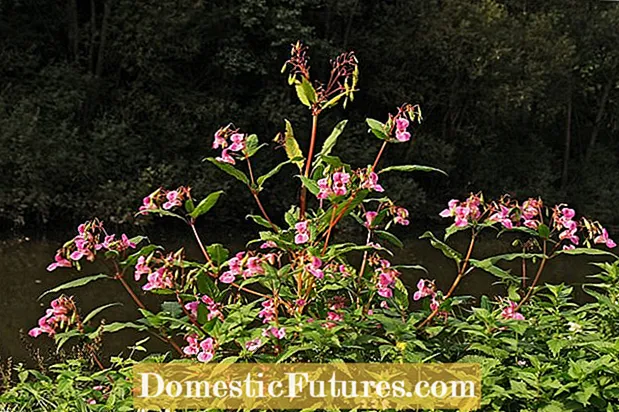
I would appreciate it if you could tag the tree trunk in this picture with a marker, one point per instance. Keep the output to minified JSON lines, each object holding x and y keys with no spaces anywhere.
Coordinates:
{"x":102,"y":43}
{"x":598,"y":118}
{"x":73,"y":28}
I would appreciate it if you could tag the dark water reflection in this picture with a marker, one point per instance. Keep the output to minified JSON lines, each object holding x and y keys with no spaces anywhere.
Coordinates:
{"x":24,"y":279}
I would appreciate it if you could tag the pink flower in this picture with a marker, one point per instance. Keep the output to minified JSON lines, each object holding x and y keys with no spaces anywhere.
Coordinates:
{"x":569,"y":247}
{"x":268,"y":244}
{"x":214,"y":308}
{"x":253,"y":345}
{"x":192,"y":348}
{"x":207,"y":350}
{"x":509,"y":312}
{"x":141,"y":268}
{"x":335,"y":317}
{"x":568,"y":213}
{"x":314,"y":268}
{"x":227,"y":277}
{"x":422,"y":290}
{"x":274,"y":332}
{"x":60,"y":262}
{"x":254,"y":267}
{"x":267,"y":313}
{"x":402,"y":136}
{"x":302,"y":235}
{"x":369,"y":218}
{"x":148,"y":203}
{"x":370,"y":182}
{"x":125,"y":242}
{"x":340,"y":179}
{"x":173,"y":200}
{"x":225,"y":157}
{"x":238,"y":142}
{"x":401,"y":216}
{"x":451,"y":208}
{"x":603,"y":238}
{"x":160,"y":279}
{"x":502,"y":216}
{"x":401,"y":124}
{"x":219,"y":141}
{"x":325,"y":190}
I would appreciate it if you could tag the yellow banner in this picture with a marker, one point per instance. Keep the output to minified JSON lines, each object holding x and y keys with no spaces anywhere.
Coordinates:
{"x":306,"y":385}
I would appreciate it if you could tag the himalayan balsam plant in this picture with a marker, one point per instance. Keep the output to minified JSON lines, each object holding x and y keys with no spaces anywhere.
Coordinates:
{"x":294,"y":294}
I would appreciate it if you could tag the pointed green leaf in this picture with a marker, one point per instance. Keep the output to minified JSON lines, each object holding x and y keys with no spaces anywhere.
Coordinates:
{"x":306,"y":92}
{"x":292,"y":148}
{"x":76,"y":283}
{"x":443,"y":247}
{"x":272,"y":173}
{"x":310,"y":185}
{"x":412,"y":168}
{"x":206,"y":204}
{"x":332,"y":139}
{"x":98,"y":310}
{"x":231,"y":170}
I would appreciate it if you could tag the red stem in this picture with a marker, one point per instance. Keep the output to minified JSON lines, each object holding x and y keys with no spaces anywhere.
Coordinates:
{"x":308,"y":165}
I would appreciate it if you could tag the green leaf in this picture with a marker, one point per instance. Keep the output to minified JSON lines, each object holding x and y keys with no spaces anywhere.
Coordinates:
{"x":117,"y":326}
{"x":293,"y":350}
{"x":310,"y":185}
{"x":206,"y":204}
{"x":544,"y":231}
{"x":588,"y":251}
{"x":512,"y":256}
{"x":218,"y":253}
{"x":98,"y":310}
{"x":487,"y":266}
{"x":377,"y":128}
{"x":253,"y":145}
{"x":332,"y":139}
{"x":231,"y":170}
{"x":293,"y":151}
{"x":389,"y":237}
{"x":443,"y":247}
{"x":306,"y":92}
{"x":260,"y":220}
{"x":76,"y":283}
{"x":272,"y":173}
{"x":412,"y":168}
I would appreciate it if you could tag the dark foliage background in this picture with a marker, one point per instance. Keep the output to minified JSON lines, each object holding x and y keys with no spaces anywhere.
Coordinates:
{"x":102,"y":101}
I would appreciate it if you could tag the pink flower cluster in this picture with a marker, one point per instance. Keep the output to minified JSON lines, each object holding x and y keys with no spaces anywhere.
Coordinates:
{"x":161,"y":277}
{"x":401,"y":133}
{"x":245,"y":265}
{"x":253,"y":345}
{"x":90,"y":239}
{"x":57,"y":317}
{"x":530,"y":210}
{"x":563,"y":220}
{"x":237,"y":143}
{"x":314,"y":267}
{"x":424,"y":289}
{"x":214,"y":308}
{"x":336,"y":187}
{"x":205,"y":349}
{"x":386,"y":278}
{"x":369,"y":180}
{"x":302,"y":235}
{"x":267,"y":314}
{"x":165,"y":199}
{"x":463,"y":212}
{"x":400,"y":215}
{"x":274,"y":332}
{"x":510,"y":311}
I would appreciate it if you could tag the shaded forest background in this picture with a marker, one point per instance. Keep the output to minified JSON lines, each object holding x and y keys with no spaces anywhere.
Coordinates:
{"x":103,"y":101}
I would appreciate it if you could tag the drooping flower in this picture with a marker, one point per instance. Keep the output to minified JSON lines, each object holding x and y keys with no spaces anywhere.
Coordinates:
{"x":369,"y":180}
{"x":267,"y":314}
{"x":369,"y":218}
{"x":58,"y":316}
{"x":225,"y":157}
{"x":253,"y":345}
{"x":314,"y":267}
{"x":401,"y":216}
{"x":173,"y":198}
{"x":59,"y":262}
{"x":605,"y":239}
{"x":423,"y":290}
{"x":238,"y":142}
{"x":193,"y":347}
{"x":502,"y":216}
{"x":274,"y":332}
{"x":302,"y":235}
{"x":510,"y":311}
{"x":207,"y":350}
{"x":159,"y":279}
